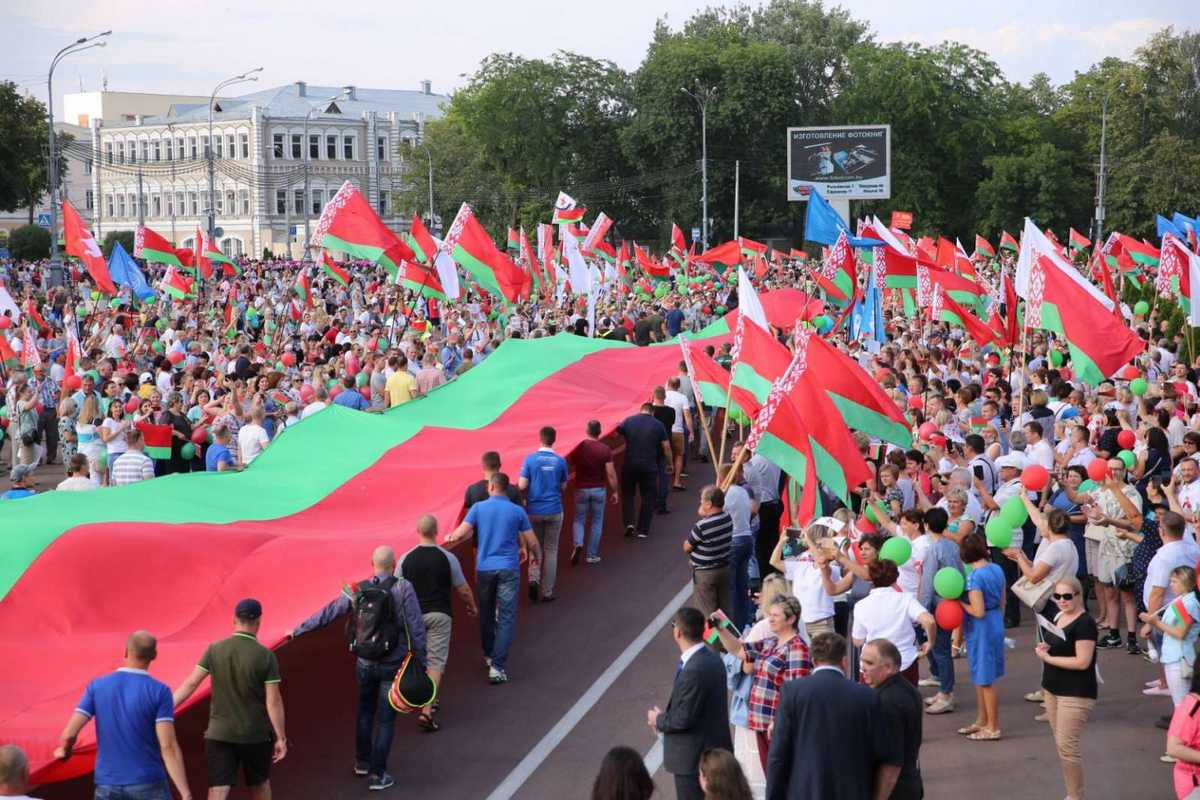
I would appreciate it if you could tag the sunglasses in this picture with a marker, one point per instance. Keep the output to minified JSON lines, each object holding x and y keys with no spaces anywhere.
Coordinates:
{"x":1067,"y":596}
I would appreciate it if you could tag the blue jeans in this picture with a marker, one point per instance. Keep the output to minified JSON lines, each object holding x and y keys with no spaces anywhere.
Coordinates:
{"x":739,"y":577}
{"x":941,"y":663}
{"x":497,"y":591}
{"x":376,"y":725}
{"x":589,"y":501}
{"x":133,"y":791}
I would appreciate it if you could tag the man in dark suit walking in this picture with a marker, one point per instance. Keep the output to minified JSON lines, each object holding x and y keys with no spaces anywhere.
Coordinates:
{"x":697,"y":715}
{"x":830,"y":738}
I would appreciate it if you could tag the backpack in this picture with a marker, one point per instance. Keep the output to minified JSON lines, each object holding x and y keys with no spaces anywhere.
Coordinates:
{"x":372,"y":631}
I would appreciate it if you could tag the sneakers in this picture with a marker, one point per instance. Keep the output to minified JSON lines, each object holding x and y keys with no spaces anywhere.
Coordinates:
{"x":1042,"y":717}
{"x":381,"y":782}
{"x":1035,"y":697}
{"x":361,"y":768}
{"x":497,"y":676}
{"x":628,"y":531}
{"x":643,"y":535}
{"x":1110,"y":640}
{"x":928,"y":682}
{"x":575,"y":554}
{"x":593,"y":559}
{"x":1166,"y":759}
{"x":535,"y":592}
{"x":1131,"y":646}
{"x":940,"y":705}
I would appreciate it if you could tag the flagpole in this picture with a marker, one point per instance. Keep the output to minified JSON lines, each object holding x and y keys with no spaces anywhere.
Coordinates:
{"x":703,"y":419}
{"x":742,"y":456}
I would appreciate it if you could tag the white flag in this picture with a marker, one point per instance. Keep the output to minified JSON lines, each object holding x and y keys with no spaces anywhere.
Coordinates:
{"x":446,"y":270}
{"x":749,"y":306}
{"x":579,"y":274}
{"x":7,"y":304}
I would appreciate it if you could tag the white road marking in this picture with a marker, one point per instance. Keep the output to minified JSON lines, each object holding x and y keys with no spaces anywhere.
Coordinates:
{"x":542,"y":750}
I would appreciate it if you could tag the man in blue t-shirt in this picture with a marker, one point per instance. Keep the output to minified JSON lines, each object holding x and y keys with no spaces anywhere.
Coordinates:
{"x":674,"y":320}
{"x":135,"y":728}
{"x":503,"y":532}
{"x":543,"y":478}
{"x":350,"y":397}
{"x":218,"y":457}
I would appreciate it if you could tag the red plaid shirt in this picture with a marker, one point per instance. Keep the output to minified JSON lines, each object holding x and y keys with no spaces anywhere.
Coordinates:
{"x":774,"y":663}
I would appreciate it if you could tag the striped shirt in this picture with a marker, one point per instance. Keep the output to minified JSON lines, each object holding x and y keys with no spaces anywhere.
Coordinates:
{"x":132,"y":466}
{"x":712,"y":541}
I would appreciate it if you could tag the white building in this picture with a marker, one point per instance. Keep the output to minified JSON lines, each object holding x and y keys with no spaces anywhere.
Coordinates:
{"x":155,"y":168}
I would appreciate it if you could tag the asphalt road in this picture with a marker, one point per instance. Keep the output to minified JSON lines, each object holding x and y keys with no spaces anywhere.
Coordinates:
{"x":493,"y":734}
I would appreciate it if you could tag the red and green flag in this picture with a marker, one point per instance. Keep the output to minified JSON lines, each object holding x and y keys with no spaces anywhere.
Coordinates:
{"x":303,"y":288}
{"x":8,"y":356}
{"x":350,"y":225}
{"x":34,"y":316}
{"x":1181,"y":615}
{"x":984,"y":248}
{"x":944,"y":309}
{"x":421,"y":241}
{"x":862,"y":402}
{"x":799,"y":255}
{"x":473,"y":249}
{"x":157,"y":439}
{"x":334,"y":269}
{"x":710,"y":379}
{"x":531,"y":262}
{"x":513,"y":244}
{"x":837,"y":276}
{"x":1007,"y":242}
{"x":729,"y":253}
{"x":1078,"y":241}
{"x":751,"y":248}
{"x":177,"y":285}
{"x":153,"y":247}
{"x":649,"y":265}
{"x":679,"y":248}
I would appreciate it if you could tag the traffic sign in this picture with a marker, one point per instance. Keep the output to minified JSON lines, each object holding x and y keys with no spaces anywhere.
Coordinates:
{"x":695,"y":234}
{"x":43,"y":219}
{"x":291,"y":230}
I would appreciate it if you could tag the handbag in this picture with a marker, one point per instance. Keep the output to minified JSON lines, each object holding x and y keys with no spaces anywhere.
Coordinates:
{"x":1032,"y":594}
{"x":1124,"y":577}
{"x":412,"y":688}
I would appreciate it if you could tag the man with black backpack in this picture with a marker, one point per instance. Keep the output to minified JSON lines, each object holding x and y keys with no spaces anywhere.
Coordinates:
{"x":385,"y":625}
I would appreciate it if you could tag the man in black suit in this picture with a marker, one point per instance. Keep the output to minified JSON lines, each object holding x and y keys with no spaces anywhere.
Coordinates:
{"x":830,"y":737}
{"x":904,"y":712}
{"x":697,"y":715}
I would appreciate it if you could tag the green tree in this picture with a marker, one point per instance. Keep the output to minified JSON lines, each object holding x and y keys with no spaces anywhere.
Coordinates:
{"x":29,"y":243}
{"x":126,"y":238}
{"x":24,"y":175}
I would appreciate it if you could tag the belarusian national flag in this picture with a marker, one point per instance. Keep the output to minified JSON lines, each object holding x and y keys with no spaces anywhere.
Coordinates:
{"x":531,"y":262}
{"x":213,"y":254}
{"x":1140,"y":252}
{"x":514,"y":242}
{"x":944,"y":309}
{"x":838,"y":274}
{"x":201,"y":264}
{"x":728,"y":253}
{"x":8,"y":356}
{"x":861,"y":400}
{"x":759,"y":361}
{"x":709,"y":378}
{"x":751,"y":247}
{"x":678,"y":244}
{"x":154,"y":247}
{"x":1181,"y":614}
{"x":81,"y":244}
{"x":984,"y":248}
{"x":471,"y":247}
{"x":176,"y":284}
{"x":596,"y":233}
{"x":303,"y":288}
{"x":799,"y":255}
{"x":31,"y":311}
{"x":1078,"y":241}
{"x":649,"y":265}
{"x":1007,"y":242}
{"x":30,"y":357}
{"x":625,"y":266}
{"x":333,"y":269}
{"x":157,"y":439}
{"x":421,"y":241}
{"x":568,"y":216}
{"x":350,"y":225}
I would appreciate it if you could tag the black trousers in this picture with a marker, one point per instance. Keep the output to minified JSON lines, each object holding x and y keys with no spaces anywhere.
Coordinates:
{"x":687,"y":787}
{"x":645,"y":482}
{"x":48,"y":424}
{"x":769,"y":514}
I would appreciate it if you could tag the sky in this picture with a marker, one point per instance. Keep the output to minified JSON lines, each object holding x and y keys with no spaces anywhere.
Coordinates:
{"x":186,"y":48}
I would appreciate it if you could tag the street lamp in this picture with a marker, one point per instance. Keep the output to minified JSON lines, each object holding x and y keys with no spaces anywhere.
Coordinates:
{"x":308,"y":157}
{"x":703,"y":96}
{"x":77,"y":46}
{"x":212,"y":202}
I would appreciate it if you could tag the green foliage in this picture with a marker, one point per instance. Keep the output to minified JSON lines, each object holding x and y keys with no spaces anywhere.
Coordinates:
{"x":23,"y":165}
{"x":126,"y":238}
{"x":29,"y":243}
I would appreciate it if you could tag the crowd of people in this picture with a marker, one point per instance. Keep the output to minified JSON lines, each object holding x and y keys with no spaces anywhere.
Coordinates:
{"x":1027,"y":494}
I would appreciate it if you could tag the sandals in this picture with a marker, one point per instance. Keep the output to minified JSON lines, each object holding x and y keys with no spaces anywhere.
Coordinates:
{"x":970,"y":730}
{"x":984,"y":735}
{"x":427,"y":723}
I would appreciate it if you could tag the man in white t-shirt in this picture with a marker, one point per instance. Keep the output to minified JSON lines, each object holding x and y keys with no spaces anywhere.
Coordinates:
{"x":1176,"y":551}
{"x":1187,"y":493}
{"x":252,"y":437}
{"x":1037,"y":449}
{"x":320,"y":401}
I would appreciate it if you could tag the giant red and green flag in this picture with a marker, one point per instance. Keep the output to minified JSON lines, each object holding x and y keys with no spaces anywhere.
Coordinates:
{"x":153,"y":247}
{"x":862,"y":402}
{"x":334,"y":269}
{"x":473,"y":249}
{"x":350,"y":225}
{"x":157,"y":439}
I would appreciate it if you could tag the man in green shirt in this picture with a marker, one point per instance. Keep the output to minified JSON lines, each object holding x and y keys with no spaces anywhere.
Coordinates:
{"x":245,"y":723}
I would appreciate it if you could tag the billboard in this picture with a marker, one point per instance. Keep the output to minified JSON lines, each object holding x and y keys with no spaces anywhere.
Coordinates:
{"x":845,"y":162}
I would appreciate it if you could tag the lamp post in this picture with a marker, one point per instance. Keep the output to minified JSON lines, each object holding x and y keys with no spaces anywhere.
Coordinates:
{"x":432,"y":216}
{"x":79,"y":45}
{"x":703,"y":96}
{"x":212,"y":203}
{"x":307,"y":257}
{"x":1103,"y":177}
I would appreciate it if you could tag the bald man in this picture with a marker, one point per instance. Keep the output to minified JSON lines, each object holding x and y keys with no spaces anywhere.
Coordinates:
{"x":14,"y":773}
{"x":381,"y":648}
{"x":135,"y":728}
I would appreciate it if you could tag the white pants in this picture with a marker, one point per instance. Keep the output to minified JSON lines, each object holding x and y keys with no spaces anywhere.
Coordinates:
{"x":1179,"y":677}
{"x":745,"y":750}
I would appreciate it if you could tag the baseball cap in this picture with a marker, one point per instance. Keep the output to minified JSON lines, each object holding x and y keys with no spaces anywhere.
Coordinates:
{"x":248,"y":608}
{"x":1011,"y":460}
{"x":146,"y":377}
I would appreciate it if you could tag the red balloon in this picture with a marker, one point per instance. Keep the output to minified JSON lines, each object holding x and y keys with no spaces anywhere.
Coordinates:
{"x":1035,"y":477}
{"x":365,"y":391}
{"x":72,"y":382}
{"x":1129,"y":372}
{"x":1126,"y":439}
{"x":175,"y":357}
{"x":307,"y":393}
{"x":131,"y":405}
{"x":916,"y":401}
{"x":288,"y":359}
{"x":5,"y":322}
{"x":372,"y":344}
{"x":1098,"y":469}
{"x":199,"y":435}
{"x":949,"y":614}
{"x":927,"y":430}
{"x":334,"y":392}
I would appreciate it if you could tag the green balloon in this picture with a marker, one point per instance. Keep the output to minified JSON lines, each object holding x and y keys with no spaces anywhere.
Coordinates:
{"x":271,"y":325}
{"x":1138,"y":386}
{"x":1014,"y":512}
{"x":1141,"y":308}
{"x":360,"y":379}
{"x":188,"y":451}
{"x":383,"y":344}
{"x":1056,"y":358}
{"x":95,"y":295}
{"x":279,"y":367}
{"x":332,"y":382}
{"x":662,"y":290}
{"x":1128,"y":458}
{"x":949,"y":583}
{"x":160,"y":325}
{"x":721,"y":309}
{"x":896,"y":549}
{"x":81,"y":311}
{"x":115,"y":302}
{"x":999,"y":533}
{"x":1088,"y":486}
{"x":157,"y":346}
{"x":95,"y":376}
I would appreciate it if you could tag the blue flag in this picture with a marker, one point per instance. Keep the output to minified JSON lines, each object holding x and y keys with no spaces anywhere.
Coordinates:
{"x":1184,"y":224}
{"x":125,"y":272}
{"x":867,"y":317}
{"x":1167,"y":226}
{"x":823,"y":224}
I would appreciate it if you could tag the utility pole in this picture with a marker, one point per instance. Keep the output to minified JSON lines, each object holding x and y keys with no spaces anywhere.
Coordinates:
{"x":703,"y":96}
{"x":1103,"y":172}
{"x":83,"y":43}
{"x":737,"y":188}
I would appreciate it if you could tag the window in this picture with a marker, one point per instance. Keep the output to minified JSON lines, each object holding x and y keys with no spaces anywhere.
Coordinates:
{"x":108,"y":205}
{"x":133,"y":152}
{"x":170,"y":198}
{"x":277,"y":145}
{"x":229,"y":146}
{"x":281,"y":201}
{"x":89,"y":202}
{"x":179,"y":204}
{"x":192,"y":147}
{"x":156,"y":150}
{"x":193,"y":204}
{"x":381,"y":148}
{"x":108,"y":150}
{"x":331,"y":147}
{"x":145,"y":150}
{"x":298,"y":201}
{"x":314,"y":146}
{"x":179,"y":143}
{"x":219,"y":146}
{"x":135,"y":206}
{"x":317,"y":204}
{"x":120,"y":152}
{"x":204,"y":146}
{"x":383,"y":203}
{"x":220,"y":200}
{"x":120,"y":206}
{"x":245,"y":142}
{"x":170,"y":146}
{"x":231,"y":201}
{"x":87,"y":166}
{"x":244,"y":202}
{"x":348,"y":148}
{"x":296,"y":152}
{"x":155,"y":205}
